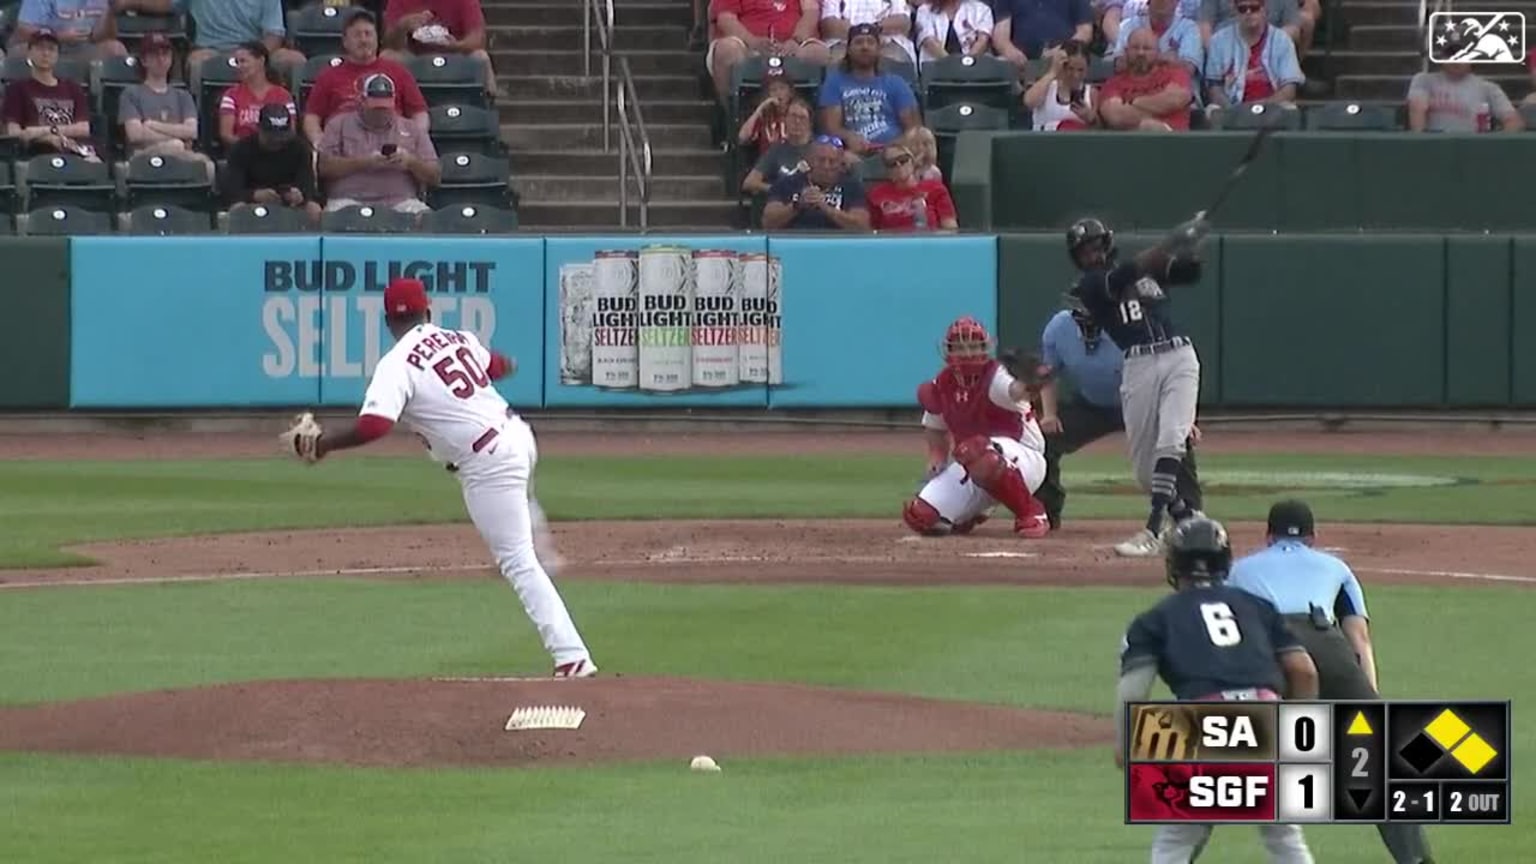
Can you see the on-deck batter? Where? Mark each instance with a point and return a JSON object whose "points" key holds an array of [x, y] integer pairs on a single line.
{"points": [[438, 383]]}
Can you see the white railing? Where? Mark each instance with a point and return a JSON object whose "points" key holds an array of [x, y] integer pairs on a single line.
{"points": [[635, 155]]}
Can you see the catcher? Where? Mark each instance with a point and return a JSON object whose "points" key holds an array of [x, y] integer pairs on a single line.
{"points": [[438, 383], [979, 412]]}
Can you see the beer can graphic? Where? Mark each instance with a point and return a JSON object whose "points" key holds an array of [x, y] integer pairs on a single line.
{"points": [[576, 305], [716, 277], [615, 352], [666, 313], [761, 352]]}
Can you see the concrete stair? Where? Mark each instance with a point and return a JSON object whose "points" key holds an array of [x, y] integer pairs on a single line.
{"points": [[1378, 46], [552, 120]]}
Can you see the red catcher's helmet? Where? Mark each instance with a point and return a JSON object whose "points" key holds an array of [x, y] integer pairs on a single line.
{"points": [[967, 350]]}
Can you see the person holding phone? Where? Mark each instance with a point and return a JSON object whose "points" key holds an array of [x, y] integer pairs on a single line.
{"points": [[272, 168], [377, 158], [1062, 99]]}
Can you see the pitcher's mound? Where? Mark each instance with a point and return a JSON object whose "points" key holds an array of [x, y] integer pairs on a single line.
{"points": [[462, 722]]}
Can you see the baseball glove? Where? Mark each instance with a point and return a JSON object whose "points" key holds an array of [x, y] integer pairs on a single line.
{"points": [[1025, 367], [300, 439]]}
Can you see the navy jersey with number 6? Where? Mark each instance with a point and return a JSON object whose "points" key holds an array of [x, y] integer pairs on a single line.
{"points": [[1209, 638], [1132, 309]]}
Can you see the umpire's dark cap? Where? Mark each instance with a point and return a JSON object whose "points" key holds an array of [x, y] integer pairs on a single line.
{"points": [[1291, 518]]}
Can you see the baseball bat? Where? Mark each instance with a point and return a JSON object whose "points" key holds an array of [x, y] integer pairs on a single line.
{"points": [[1254, 147]]}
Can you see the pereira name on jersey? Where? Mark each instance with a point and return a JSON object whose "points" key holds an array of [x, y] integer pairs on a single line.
{"points": [[435, 382]]}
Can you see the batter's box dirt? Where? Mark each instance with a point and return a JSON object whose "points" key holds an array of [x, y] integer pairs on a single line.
{"points": [[462, 723]]}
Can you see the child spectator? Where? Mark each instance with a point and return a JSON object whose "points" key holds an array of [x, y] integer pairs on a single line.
{"points": [[48, 114], [924, 147], [273, 167], [906, 202], [765, 127]]}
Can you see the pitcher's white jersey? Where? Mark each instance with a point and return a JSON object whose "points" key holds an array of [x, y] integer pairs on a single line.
{"points": [[435, 382], [999, 391]]}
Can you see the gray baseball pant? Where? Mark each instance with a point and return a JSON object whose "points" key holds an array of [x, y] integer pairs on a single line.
{"points": [[1182, 844], [1159, 394]]}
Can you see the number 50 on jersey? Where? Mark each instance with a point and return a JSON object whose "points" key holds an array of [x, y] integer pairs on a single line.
{"points": [[1309, 762]]}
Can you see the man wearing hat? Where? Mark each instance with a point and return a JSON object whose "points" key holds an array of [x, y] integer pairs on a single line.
{"points": [[273, 168], [156, 117], [85, 30], [824, 198], [374, 156], [1323, 605], [861, 103], [46, 113]]}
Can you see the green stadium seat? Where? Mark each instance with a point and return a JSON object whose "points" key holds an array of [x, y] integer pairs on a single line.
{"points": [[984, 80], [217, 74], [872, 169], [366, 220], [7, 224], [1100, 69], [17, 69], [1256, 115], [1528, 113], [10, 196], [160, 221], [902, 69], [67, 222], [466, 129], [948, 122], [166, 181], [304, 76], [55, 180], [110, 78], [469, 219], [449, 79], [132, 26], [261, 219], [315, 28], [472, 178], [1351, 117]]}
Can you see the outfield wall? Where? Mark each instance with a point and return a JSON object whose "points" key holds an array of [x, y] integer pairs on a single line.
{"points": [[1293, 322]]}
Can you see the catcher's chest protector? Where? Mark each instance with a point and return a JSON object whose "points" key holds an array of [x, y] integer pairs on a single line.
{"points": [[970, 411]]}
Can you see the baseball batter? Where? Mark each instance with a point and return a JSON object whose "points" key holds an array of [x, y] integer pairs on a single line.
{"points": [[438, 383], [978, 412], [1160, 381]]}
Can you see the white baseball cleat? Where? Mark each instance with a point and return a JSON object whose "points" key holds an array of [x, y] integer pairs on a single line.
{"points": [[576, 669], [1144, 545]]}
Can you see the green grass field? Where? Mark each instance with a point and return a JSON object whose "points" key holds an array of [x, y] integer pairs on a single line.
{"points": [[1050, 648]]}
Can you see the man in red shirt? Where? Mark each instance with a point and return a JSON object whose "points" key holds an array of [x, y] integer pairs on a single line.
{"points": [[1150, 94], [438, 27], [338, 90], [750, 28]]}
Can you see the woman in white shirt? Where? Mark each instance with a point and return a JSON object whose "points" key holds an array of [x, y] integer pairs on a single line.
{"points": [[946, 27], [1062, 98]]}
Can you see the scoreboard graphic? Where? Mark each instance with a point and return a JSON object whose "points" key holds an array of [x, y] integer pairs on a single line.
{"points": [[1311, 762]]}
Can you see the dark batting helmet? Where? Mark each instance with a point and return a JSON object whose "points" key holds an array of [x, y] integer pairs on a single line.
{"points": [[1197, 550], [1090, 236]]}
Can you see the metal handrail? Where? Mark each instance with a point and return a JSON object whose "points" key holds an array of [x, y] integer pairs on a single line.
{"points": [[634, 140]]}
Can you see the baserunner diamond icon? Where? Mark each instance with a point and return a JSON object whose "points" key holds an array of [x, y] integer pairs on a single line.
{"points": [[1421, 754]]}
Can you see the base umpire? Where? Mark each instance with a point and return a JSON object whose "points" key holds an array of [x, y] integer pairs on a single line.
{"points": [[1323, 605]]}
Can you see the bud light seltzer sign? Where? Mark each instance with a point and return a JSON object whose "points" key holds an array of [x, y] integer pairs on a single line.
{"points": [[664, 320]]}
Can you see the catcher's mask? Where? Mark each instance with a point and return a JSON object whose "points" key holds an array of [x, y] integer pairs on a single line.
{"points": [[967, 350], [1198, 551], [1091, 244]]}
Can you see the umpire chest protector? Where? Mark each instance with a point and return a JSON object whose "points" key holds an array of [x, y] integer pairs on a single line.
{"points": [[969, 411]]}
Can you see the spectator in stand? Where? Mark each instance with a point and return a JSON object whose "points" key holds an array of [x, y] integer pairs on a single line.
{"points": [[86, 29], [240, 106], [766, 126], [1115, 13], [1216, 14], [946, 27], [892, 20], [905, 202], [825, 197], [1530, 62], [1150, 94], [1453, 99], [862, 105], [46, 113], [375, 157], [224, 25], [1251, 60], [924, 147], [157, 118], [1178, 37], [1026, 28], [1062, 99], [338, 90], [759, 28], [274, 167], [786, 157], [439, 27]]}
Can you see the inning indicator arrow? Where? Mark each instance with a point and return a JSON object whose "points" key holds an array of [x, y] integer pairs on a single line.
{"points": [[1360, 796], [1359, 726]]}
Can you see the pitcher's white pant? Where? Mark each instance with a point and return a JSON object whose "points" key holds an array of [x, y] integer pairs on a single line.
{"points": [[958, 500], [496, 484], [1181, 844]]}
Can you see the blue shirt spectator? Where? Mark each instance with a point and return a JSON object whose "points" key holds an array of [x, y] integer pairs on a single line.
{"points": [[223, 24], [1096, 372], [872, 105], [84, 28], [1249, 57], [1025, 28]]}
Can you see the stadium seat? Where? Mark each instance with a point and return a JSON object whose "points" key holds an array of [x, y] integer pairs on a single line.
{"points": [[466, 129], [469, 219], [304, 76], [67, 222], [217, 74], [366, 220], [112, 76], [449, 79], [8, 12], [872, 169], [57, 180], [983, 80], [1252, 116], [17, 69], [157, 221], [166, 181], [747, 82], [10, 197], [1100, 69], [131, 27], [902, 69], [1351, 117], [948, 122], [1528, 113], [472, 178], [266, 220], [315, 28], [7, 224]]}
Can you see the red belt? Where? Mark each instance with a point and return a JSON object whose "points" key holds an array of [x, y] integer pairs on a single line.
{"points": [[481, 443]]}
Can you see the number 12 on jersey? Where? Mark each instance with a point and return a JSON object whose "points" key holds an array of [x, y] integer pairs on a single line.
{"points": [[1130, 312]]}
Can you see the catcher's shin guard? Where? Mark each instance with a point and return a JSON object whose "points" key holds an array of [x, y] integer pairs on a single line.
{"points": [[921, 517], [985, 466]]}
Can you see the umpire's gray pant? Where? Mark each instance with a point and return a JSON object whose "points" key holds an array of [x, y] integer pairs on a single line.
{"points": [[1182, 844]]}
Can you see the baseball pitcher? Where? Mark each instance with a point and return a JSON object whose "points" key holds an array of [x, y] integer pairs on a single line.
{"points": [[978, 412], [438, 383]]}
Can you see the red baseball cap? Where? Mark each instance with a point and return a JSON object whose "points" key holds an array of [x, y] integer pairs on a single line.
{"points": [[405, 296]]}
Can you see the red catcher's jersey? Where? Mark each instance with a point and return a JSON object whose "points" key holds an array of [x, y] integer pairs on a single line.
{"points": [[983, 410]]}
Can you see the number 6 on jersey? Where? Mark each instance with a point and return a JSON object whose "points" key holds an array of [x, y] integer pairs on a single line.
{"points": [[1220, 624]]}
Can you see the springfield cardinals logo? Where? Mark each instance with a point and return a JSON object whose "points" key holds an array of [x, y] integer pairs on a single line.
{"points": [[1476, 37]]}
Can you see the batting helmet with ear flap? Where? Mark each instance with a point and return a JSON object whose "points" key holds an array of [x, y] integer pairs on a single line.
{"points": [[1090, 235]]}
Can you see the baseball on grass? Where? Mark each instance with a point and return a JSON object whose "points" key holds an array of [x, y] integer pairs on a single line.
{"points": [[703, 763]]}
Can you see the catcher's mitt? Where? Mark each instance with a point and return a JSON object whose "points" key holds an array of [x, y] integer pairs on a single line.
{"points": [[1025, 367], [301, 438]]}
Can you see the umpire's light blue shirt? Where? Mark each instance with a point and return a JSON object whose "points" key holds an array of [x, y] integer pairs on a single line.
{"points": [[1096, 373], [1293, 577]]}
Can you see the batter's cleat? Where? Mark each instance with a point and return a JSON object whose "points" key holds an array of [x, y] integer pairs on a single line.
{"points": [[1054, 520], [1144, 545], [968, 526], [1033, 526], [576, 669]]}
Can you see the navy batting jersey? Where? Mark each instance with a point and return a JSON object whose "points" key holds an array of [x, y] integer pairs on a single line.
{"points": [[1133, 309], [1210, 638]]}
